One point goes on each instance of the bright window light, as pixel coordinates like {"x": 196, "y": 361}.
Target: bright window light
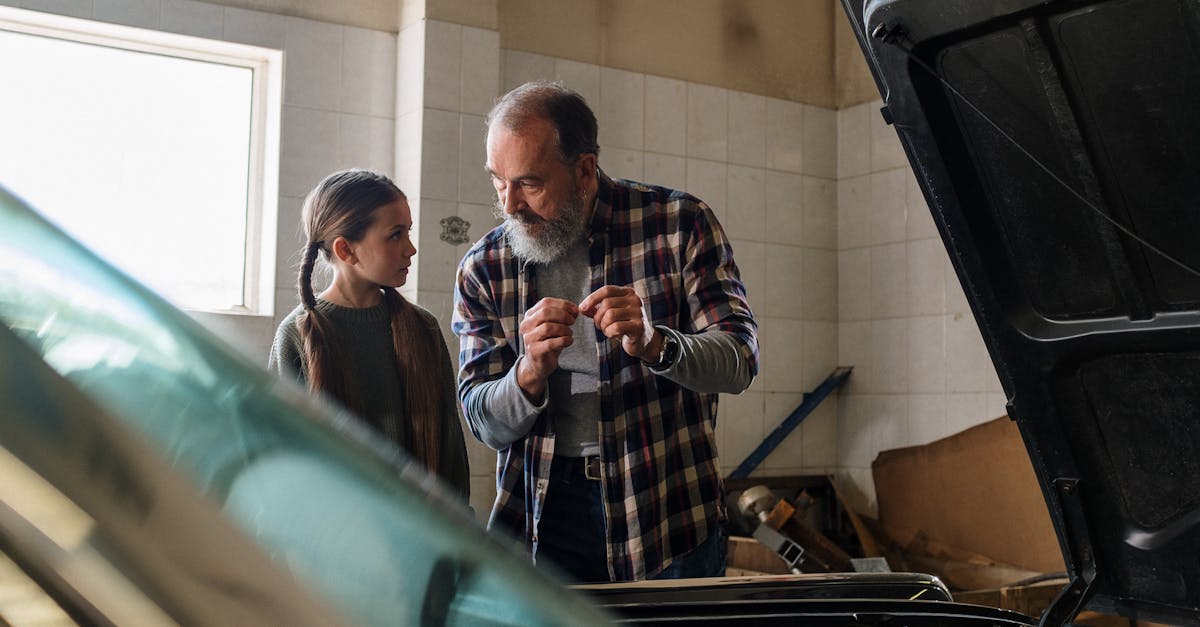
{"x": 159, "y": 152}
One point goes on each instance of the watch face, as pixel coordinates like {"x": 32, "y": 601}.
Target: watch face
{"x": 670, "y": 351}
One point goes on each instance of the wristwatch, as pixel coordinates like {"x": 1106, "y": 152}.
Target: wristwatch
{"x": 669, "y": 354}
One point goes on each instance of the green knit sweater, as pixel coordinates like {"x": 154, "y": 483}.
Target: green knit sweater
{"x": 367, "y": 334}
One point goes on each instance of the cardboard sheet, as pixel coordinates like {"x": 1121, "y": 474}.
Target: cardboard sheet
{"x": 971, "y": 496}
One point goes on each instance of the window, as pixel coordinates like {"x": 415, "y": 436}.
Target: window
{"x": 157, "y": 151}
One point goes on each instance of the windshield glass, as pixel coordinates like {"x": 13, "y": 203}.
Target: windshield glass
{"x": 343, "y": 511}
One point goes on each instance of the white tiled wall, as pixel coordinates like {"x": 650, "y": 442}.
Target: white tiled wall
{"x": 841, "y": 261}
{"x": 921, "y": 371}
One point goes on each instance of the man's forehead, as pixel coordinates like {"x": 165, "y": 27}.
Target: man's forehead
{"x": 526, "y": 148}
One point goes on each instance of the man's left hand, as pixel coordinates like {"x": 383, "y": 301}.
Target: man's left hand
{"x": 618, "y": 313}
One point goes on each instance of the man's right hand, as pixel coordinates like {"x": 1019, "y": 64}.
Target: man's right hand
{"x": 545, "y": 332}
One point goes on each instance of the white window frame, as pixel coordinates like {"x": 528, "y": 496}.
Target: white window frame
{"x": 266, "y": 65}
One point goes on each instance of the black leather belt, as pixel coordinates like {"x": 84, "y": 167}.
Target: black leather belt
{"x": 588, "y": 466}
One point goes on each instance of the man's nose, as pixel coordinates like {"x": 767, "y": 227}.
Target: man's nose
{"x": 511, "y": 201}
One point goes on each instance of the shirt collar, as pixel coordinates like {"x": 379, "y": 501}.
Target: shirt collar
{"x": 602, "y": 206}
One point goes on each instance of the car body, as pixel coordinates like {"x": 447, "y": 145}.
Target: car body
{"x": 153, "y": 475}
{"x": 1056, "y": 143}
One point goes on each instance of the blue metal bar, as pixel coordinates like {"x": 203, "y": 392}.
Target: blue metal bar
{"x": 810, "y": 402}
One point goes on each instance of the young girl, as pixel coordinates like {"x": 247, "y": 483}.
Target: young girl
{"x": 360, "y": 340}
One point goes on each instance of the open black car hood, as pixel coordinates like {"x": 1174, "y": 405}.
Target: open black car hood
{"x": 1058, "y": 147}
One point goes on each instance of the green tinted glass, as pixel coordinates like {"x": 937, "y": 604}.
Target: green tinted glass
{"x": 343, "y": 511}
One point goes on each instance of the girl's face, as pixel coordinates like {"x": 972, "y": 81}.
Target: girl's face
{"x": 385, "y": 252}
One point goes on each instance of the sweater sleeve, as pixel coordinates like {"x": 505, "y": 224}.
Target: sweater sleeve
{"x": 287, "y": 351}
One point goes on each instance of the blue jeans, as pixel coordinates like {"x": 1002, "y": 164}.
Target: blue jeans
{"x": 571, "y": 533}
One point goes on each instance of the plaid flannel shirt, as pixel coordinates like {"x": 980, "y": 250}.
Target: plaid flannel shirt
{"x": 661, "y": 478}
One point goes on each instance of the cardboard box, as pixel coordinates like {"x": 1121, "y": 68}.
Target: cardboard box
{"x": 970, "y": 497}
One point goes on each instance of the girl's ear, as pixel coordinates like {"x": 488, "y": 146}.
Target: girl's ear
{"x": 343, "y": 251}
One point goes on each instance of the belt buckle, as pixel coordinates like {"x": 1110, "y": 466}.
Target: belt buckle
{"x": 591, "y": 468}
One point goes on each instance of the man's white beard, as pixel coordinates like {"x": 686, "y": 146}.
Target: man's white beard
{"x": 557, "y": 234}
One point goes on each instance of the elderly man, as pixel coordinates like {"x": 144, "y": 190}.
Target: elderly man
{"x": 597, "y": 325}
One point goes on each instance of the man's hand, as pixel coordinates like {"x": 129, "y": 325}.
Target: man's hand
{"x": 618, "y": 313}
{"x": 545, "y": 332}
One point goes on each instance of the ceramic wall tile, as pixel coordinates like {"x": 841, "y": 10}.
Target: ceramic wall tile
{"x": 480, "y": 80}
{"x": 964, "y": 410}
{"x": 188, "y": 17}
{"x": 855, "y": 448}
{"x": 71, "y": 8}
{"x": 854, "y": 284}
{"x": 820, "y": 435}
{"x": 819, "y": 207}
{"x": 708, "y": 181}
{"x": 443, "y": 65}
{"x": 665, "y": 119}
{"x": 707, "y": 122}
{"x": 789, "y": 452}
{"x": 439, "y": 154}
{"x": 623, "y": 163}
{"x": 997, "y": 404}
{"x": 407, "y": 168}
{"x": 255, "y": 28}
{"x": 927, "y": 354}
{"x": 436, "y": 259}
{"x": 582, "y": 77}
{"x": 926, "y": 418}
{"x": 474, "y": 184}
{"x": 139, "y": 13}
{"x": 746, "y": 205}
{"x": 480, "y": 220}
{"x": 666, "y": 170}
{"x": 784, "y": 211}
{"x": 968, "y": 366}
{"x": 888, "y": 209}
{"x": 853, "y": 212}
{"x": 956, "y": 299}
{"x": 785, "y": 265}
{"x": 308, "y": 149}
{"x": 289, "y": 242}
{"x": 889, "y": 355}
{"x": 926, "y": 277}
{"x": 819, "y": 285}
{"x": 741, "y": 419}
{"x": 751, "y": 262}
{"x": 819, "y": 152}
{"x": 366, "y": 142}
{"x": 854, "y": 349}
{"x": 886, "y": 151}
{"x": 410, "y": 70}
{"x": 820, "y": 344}
{"x": 854, "y": 141}
{"x": 782, "y": 355}
{"x": 785, "y": 135}
{"x": 312, "y": 64}
{"x": 621, "y": 109}
{"x": 521, "y": 67}
{"x": 889, "y": 421}
{"x": 920, "y": 221}
{"x": 889, "y": 281}
{"x": 747, "y": 129}
{"x": 368, "y": 73}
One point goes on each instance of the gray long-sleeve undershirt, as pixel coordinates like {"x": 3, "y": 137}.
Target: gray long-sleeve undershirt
{"x": 709, "y": 362}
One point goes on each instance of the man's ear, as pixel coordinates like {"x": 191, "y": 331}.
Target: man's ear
{"x": 343, "y": 251}
{"x": 587, "y": 170}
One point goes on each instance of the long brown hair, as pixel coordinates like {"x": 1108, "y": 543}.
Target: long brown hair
{"x": 344, "y": 205}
